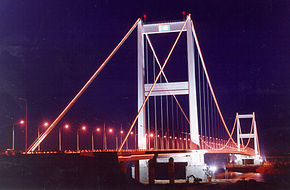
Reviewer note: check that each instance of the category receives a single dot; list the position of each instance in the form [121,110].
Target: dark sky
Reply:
[49,49]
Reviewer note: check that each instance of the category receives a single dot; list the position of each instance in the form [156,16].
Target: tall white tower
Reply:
[170,88]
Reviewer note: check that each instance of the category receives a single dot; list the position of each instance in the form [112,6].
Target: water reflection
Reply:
[236,176]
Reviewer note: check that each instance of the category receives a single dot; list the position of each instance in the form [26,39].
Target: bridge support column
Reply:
[140,171]
[137,169]
[171,170]
[152,167]
[123,166]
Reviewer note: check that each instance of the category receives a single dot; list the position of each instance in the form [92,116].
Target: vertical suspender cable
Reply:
[172,122]
[148,103]
[167,121]
[204,106]
[161,115]
[209,83]
[215,123]
[177,122]
[156,58]
[155,81]
[155,109]
[212,118]
[199,95]
[208,116]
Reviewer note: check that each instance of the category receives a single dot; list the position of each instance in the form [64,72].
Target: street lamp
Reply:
[21,122]
[93,142]
[166,142]
[83,128]
[23,99]
[132,133]
[151,137]
[93,147]
[110,132]
[45,124]
[104,137]
[66,126]
[98,130]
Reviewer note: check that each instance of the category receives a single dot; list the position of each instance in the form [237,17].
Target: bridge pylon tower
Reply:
[169,88]
[253,134]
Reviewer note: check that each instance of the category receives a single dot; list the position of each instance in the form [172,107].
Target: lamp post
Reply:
[116,142]
[110,131]
[104,137]
[186,136]
[98,131]
[135,138]
[21,122]
[66,126]
[132,133]
[93,147]
[23,99]
[45,124]
[151,136]
[121,134]
[83,128]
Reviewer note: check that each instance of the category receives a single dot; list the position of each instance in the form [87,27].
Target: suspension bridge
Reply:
[175,120]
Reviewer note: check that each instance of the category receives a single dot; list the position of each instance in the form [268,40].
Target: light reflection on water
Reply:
[268,178]
[240,176]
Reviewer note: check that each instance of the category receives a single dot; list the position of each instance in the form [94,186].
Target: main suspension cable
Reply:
[151,89]
[208,80]
[34,145]
[165,78]
[233,129]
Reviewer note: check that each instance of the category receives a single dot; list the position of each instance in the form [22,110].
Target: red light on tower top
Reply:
[84,128]
[131,133]
[183,14]
[121,131]
[98,129]
[21,122]
[45,124]
[144,16]
[66,126]
[110,130]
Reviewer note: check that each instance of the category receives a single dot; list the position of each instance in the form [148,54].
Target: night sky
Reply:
[49,49]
